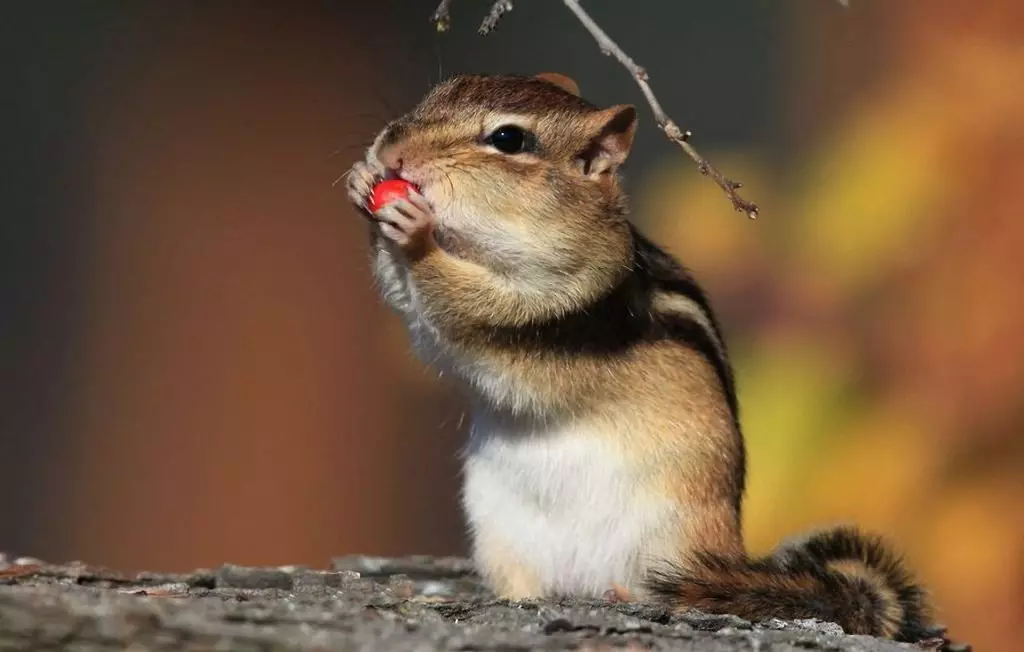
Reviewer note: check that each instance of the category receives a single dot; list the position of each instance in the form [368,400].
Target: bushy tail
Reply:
[839,575]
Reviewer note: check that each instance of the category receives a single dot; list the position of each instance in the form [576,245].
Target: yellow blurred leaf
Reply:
[691,216]
[791,398]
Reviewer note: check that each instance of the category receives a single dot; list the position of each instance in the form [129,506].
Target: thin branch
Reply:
[671,129]
[442,17]
[498,9]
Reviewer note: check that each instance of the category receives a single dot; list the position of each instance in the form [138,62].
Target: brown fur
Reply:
[558,79]
[838,575]
[550,290]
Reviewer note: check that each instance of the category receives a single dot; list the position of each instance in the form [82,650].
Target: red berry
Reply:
[388,191]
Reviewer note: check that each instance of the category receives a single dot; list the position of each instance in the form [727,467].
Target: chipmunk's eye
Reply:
[510,139]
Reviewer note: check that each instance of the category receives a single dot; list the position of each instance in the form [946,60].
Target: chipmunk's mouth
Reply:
[391,174]
[424,180]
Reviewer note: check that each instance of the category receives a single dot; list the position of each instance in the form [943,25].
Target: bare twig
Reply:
[442,17]
[609,47]
[498,9]
[671,129]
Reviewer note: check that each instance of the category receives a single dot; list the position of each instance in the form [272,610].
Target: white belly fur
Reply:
[565,504]
[562,500]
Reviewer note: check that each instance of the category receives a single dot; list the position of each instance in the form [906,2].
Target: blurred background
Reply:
[196,368]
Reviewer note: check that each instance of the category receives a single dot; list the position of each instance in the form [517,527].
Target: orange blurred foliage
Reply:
[881,363]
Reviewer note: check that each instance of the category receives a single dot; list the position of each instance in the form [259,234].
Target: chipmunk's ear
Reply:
[613,130]
[561,81]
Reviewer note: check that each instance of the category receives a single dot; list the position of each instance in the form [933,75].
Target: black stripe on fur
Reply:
[847,544]
[839,575]
[663,272]
[623,317]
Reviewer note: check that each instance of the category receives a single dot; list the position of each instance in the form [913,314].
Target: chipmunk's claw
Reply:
[360,181]
[409,223]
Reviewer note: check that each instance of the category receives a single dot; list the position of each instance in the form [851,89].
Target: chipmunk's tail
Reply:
[838,575]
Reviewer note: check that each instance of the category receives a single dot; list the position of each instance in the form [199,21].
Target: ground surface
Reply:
[362,604]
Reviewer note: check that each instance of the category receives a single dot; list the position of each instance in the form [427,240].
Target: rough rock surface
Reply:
[363,603]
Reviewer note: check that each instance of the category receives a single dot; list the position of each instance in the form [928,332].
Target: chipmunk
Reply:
[605,450]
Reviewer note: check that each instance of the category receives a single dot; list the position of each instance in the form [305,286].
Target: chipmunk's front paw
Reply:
[409,223]
[360,181]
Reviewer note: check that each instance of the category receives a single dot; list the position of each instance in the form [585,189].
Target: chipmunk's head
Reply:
[522,173]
